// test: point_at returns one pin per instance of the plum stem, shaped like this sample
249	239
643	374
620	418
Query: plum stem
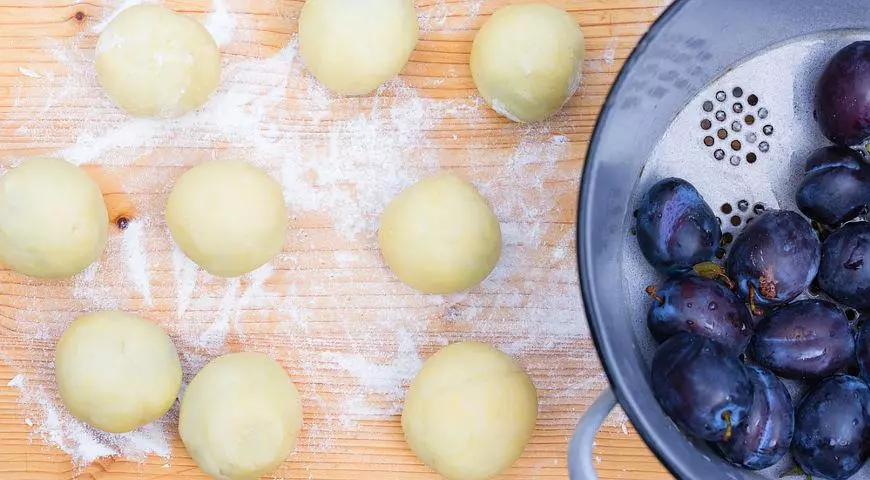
726	415
651	291
713	271
753	308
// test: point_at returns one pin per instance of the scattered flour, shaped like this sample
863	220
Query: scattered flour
220	23
328	307
610	51
29	73
136	255
83	443
437	15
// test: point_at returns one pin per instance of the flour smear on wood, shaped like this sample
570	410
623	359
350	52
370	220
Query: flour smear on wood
350	336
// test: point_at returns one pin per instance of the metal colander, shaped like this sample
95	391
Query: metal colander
720	93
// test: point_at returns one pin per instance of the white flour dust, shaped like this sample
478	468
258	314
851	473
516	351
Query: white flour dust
443	16
221	23
136	257
83	443
348	333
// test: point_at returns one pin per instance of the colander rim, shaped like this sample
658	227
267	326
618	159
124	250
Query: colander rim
673	462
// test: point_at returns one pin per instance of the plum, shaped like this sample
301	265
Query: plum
703	387
676	229
843	273
836	188
862	350
690	303
774	259
842	106
832	428
805	339
764	437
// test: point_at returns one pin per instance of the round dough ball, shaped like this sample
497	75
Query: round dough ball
440	236
116	371
154	62
527	60
470	412
240	416
53	219
228	216
353	47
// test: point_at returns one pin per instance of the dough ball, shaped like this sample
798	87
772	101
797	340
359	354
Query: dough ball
527	59
440	236
53	220
353	47
154	62
228	216
116	371
470	412
240	416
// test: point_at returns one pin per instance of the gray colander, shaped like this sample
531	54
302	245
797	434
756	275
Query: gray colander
718	92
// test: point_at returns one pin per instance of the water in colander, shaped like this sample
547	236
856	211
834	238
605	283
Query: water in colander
742	142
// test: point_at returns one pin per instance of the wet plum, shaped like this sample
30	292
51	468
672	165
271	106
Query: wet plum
837	186
842	106
844	272
862	350
690	303
765	436
805	339
702	386
832	428
774	258
676	229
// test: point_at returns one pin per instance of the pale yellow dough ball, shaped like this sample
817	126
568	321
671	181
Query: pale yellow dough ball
240	416
527	59
53	219
352	47
228	216
116	371
440	235
154	62
470	412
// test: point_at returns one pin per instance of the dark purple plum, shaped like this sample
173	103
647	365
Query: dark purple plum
837	186
842	104
676	229
690	303
832	428
804	340
702	386
862	350
764	437
774	258
844	272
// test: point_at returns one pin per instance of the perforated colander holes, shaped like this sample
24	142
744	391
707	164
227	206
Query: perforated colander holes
853	315
733	217
736	137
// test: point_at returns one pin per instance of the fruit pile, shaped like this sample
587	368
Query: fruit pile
729	333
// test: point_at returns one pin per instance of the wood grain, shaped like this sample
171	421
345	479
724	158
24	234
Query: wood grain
35	120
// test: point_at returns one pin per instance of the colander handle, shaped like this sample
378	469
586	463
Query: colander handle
580	464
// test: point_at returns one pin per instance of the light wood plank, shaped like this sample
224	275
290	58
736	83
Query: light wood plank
32	36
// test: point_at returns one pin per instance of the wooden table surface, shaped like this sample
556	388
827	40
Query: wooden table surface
350	336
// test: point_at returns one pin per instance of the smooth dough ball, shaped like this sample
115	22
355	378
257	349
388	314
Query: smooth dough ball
527	60
53	219
116	371
228	216
470	412
240	416
353	47
440	236
154	62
